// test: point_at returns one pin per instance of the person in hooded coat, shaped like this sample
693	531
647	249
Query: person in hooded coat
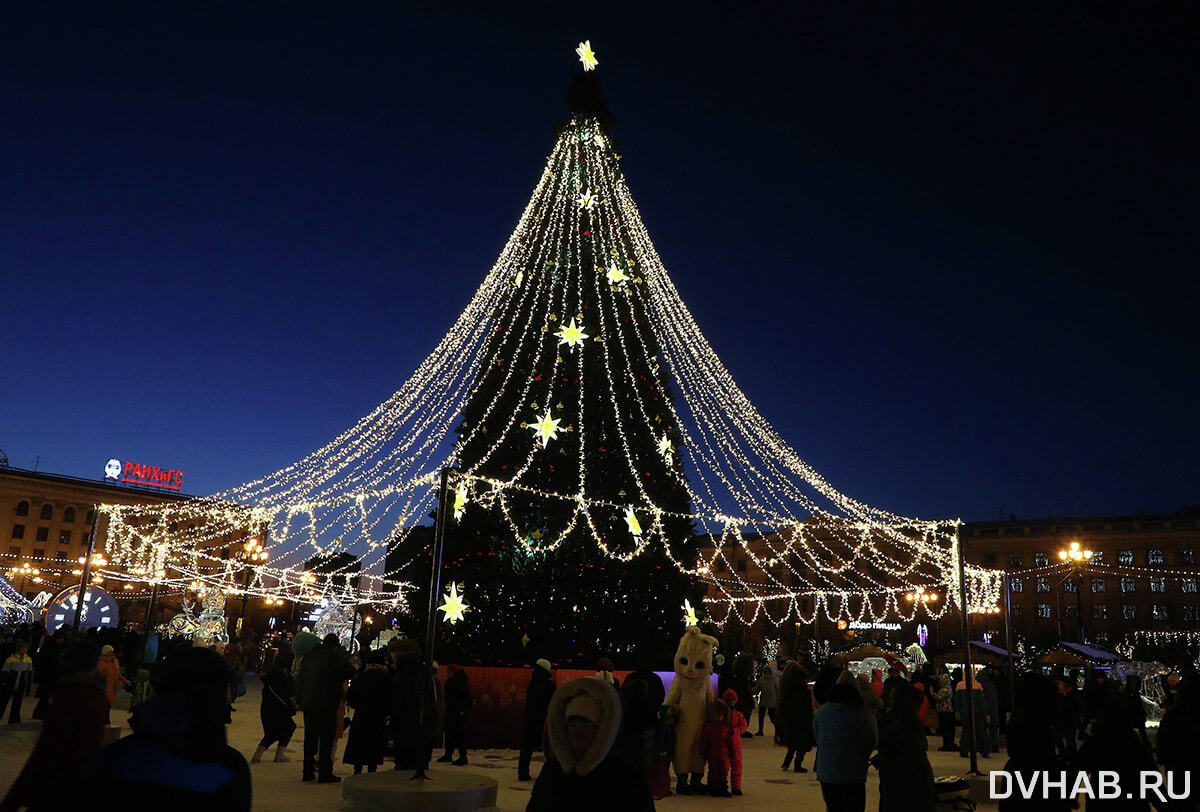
585	774
795	715
177	758
370	695
45	664
905	777
72	731
110	669
533	719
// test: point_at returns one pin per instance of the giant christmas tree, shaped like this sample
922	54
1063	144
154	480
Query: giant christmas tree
603	469
571	403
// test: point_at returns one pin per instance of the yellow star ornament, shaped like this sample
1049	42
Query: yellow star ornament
545	428
453	606
571	335
616	276
586	55
689	614
665	448
631	520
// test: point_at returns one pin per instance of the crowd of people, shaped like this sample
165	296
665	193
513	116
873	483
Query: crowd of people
606	743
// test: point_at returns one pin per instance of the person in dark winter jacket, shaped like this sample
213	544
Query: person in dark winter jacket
458	701
533	719
1033	744
585	775
743	687
319	686
795	715
72	731
177	758
905	777
370	695
276	711
1178	752
46	667
845	732
1113	746
414	711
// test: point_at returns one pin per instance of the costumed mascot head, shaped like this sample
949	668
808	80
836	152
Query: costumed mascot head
694	657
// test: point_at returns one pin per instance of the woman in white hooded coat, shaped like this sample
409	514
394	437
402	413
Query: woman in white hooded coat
586	774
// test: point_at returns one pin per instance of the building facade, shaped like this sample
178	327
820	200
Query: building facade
47	522
1141	576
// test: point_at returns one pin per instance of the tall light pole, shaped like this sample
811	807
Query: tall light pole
1077	559
252	553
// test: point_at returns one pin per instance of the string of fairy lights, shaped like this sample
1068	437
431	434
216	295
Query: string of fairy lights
808	547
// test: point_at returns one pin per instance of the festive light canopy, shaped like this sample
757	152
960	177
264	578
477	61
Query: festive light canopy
578	290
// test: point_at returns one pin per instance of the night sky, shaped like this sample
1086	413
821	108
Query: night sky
951	254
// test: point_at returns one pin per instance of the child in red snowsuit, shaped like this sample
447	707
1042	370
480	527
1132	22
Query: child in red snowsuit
737	726
714	747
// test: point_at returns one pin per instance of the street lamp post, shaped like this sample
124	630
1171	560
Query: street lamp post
252	553
1077	559
26	571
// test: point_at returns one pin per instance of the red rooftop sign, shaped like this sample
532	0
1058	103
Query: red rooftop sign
136	473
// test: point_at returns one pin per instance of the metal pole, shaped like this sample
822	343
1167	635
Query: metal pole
968	673
435	587
1012	672
1079	606
87	567
149	627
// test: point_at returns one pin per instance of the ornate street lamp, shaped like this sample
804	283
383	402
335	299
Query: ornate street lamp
1077	558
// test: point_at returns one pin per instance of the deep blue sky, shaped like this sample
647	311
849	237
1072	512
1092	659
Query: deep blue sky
950	254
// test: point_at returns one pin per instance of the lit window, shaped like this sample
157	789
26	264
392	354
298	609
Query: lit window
1098	585
1129	611
1189	584
1128	585
1043	584
1098	557
1016	584
1158	584
1070	585
1159	611
1099	611
1041	559
1043	610
1154	557
1125	557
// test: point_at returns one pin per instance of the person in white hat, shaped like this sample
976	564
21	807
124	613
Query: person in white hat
584	773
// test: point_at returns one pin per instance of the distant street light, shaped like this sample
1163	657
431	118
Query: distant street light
1077	559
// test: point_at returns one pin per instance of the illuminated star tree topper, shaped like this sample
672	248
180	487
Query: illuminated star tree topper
453	606
586	55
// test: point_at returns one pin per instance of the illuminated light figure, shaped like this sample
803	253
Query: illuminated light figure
922	634
586	55
212	626
665	448
546	429
183	624
587	200
453	606
337	617
631	521
689	614
460	501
